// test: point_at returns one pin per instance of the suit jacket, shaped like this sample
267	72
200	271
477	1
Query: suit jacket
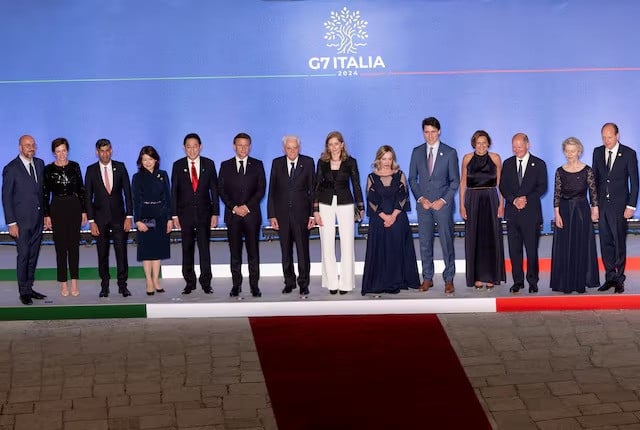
102	207
236	190
326	187
198	206
286	196
22	197
534	185
445	178
621	182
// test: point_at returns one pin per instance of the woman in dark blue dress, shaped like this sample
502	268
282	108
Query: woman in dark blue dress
481	207
152	213
574	261
390	262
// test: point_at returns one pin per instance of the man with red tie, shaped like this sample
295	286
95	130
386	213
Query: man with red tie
195	209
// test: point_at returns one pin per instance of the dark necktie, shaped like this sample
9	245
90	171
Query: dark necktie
194	176
292	172
32	173
241	171
520	172
609	160
430	160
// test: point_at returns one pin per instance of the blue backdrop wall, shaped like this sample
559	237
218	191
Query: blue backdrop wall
149	71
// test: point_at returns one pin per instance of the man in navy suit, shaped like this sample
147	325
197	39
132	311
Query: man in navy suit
22	200
195	206
242	185
434	178
616	170
290	211
110	212
522	183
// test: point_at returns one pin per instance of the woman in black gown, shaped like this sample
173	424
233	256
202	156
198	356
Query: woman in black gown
574	261
64	212
390	262
152	213
481	207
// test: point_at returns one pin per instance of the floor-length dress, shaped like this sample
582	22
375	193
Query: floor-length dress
483	242
574	259
390	263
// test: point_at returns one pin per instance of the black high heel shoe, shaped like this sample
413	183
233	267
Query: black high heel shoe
342	292
150	293
333	292
160	290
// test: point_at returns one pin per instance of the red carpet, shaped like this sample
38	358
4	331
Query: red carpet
364	372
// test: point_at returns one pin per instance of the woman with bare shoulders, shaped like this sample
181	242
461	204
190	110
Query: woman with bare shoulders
390	262
481	208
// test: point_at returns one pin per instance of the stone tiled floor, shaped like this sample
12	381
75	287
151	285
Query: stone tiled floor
538	370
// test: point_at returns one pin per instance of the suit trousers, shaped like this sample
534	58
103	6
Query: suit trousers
116	232
192	233
28	247
613	242
344	215
66	216
293	230
245	230
426	230
521	231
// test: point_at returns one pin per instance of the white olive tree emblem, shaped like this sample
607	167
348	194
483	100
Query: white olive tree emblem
346	31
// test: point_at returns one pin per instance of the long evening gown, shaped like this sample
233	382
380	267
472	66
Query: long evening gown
483	242
390	263
574	261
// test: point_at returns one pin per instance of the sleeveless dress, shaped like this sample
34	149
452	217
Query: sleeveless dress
390	262
484	247
574	260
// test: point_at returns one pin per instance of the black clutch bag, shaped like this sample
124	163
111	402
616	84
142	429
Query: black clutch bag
149	222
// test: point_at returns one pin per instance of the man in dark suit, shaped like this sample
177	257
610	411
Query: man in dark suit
615	167
110	212
242	185
434	178
522	183
195	206
22	200
290	211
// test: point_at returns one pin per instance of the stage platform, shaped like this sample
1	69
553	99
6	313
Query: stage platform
173	304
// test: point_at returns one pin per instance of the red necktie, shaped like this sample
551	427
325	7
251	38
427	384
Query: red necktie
194	176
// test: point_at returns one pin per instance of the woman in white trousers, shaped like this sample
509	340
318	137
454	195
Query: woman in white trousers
336	176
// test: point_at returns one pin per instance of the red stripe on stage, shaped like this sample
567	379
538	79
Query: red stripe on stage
633	263
567	303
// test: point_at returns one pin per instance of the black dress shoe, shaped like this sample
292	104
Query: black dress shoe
333	291
533	289
104	292
607	285
255	292
235	292
26	299
124	291
619	289
287	290
515	288
187	290
343	292
36	295
304	291
207	290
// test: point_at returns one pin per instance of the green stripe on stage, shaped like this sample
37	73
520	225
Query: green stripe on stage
86	273
72	312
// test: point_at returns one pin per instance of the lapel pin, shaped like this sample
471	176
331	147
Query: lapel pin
185	170
533	164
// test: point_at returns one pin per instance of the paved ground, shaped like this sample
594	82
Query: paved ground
550	370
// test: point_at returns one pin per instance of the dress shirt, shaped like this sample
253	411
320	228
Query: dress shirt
295	164
525	160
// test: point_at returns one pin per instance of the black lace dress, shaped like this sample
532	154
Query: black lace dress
574	260
483	242
390	262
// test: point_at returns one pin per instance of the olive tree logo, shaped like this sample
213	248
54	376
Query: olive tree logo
346	31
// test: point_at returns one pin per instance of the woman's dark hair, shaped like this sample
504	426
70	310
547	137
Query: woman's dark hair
59	141
151	152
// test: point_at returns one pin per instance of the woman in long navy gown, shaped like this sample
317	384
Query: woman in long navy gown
574	261
481	207
390	262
